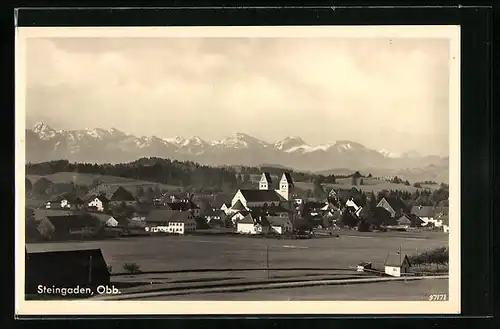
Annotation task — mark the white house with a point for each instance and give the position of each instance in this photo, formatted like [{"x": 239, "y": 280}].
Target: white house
[
  {"x": 250, "y": 225},
  {"x": 280, "y": 224},
  {"x": 236, "y": 217},
  {"x": 169, "y": 221},
  {"x": 446, "y": 223},
  {"x": 106, "y": 220},
  {"x": 425, "y": 213},
  {"x": 364, "y": 266},
  {"x": 396, "y": 264},
  {"x": 226, "y": 208},
  {"x": 99, "y": 203},
  {"x": 64, "y": 202}
]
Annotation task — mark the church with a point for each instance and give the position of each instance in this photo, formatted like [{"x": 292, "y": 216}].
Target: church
[{"x": 265, "y": 195}]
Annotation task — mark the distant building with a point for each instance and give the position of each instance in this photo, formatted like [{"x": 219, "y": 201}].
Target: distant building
[
  {"x": 72, "y": 227},
  {"x": 404, "y": 221},
  {"x": 265, "y": 195},
  {"x": 67, "y": 201},
  {"x": 168, "y": 221},
  {"x": 100, "y": 202},
  {"x": 446, "y": 223},
  {"x": 364, "y": 266},
  {"x": 122, "y": 196},
  {"x": 394, "y": 206},
  {"x": 279, "y": 224},
  {"x": 251, "y": 225},
  {"x": 65, "y": 269},
  {"x": 396, "y": 264}
]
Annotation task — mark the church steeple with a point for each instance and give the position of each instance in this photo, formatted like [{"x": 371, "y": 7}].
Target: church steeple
[
  {"x": 286, "y": 186},
  {"x": 265, "y": 181}
]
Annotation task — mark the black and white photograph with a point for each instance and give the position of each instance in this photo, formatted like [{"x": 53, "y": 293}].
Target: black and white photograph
[{"x": 238, "y": 170}]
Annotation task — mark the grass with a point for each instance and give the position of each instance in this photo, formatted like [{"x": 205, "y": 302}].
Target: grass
[
  {"x": 88, "y": 179},
  {"x": 195, "y": 252},
  {"x": 419, "y": 290},
  {"x": 369, "y": 185}
]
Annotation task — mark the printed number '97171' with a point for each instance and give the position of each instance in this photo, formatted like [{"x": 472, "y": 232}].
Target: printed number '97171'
[{"x": 438, "y": 297}]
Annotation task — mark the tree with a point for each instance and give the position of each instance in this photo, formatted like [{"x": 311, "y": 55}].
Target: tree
[
  {"x": 139, "y": 191},
  {"x": 348, "y": 219},
  {"x": 418, "y": 185},
  {"x": 361, "y": 182},
  {"x": 369, "y": 175},
  {"x": 27, "y": 185},
  {"x": 42, "y": 185},
  {"x": 246, "y": 178},
  {"x": 132, "y": 268}
]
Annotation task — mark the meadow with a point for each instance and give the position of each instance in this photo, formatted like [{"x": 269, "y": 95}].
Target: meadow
[
  {"x": 369, "y": 185},
  {"x": 180, "y": 253},
  {"x": 89, "y": 179},
  {"x": 387, "y": 291}
]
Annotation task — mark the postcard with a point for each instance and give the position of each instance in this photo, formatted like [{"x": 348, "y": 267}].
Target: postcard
[{"x": 237, "y": 170}]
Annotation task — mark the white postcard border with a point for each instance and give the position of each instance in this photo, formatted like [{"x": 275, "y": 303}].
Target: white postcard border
[{"x": 452, "y": 306}]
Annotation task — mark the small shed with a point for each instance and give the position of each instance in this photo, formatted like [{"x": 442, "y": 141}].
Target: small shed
[
  {"x": 65, "y": 269},
  {"x": 396, "y": 264},
  {"x": 364, "y": 266}
]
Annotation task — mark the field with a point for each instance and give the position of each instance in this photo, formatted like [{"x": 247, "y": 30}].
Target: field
[
  {"x": 164, "y": 253},
  {"x": 369, "y": 185},
  {"x": 386, "y": 291},
  {"x": 88, "y": 179}
]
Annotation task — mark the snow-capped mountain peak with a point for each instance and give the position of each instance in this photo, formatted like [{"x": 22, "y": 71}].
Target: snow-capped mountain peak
[
  {"x": 44, "y": 131},
  {"x": 289, "y": 142}
]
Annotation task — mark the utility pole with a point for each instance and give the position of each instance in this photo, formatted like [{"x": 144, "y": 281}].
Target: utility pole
[
  {"x": 267, "y": 260},
  {"x": 90, "y": 270}
]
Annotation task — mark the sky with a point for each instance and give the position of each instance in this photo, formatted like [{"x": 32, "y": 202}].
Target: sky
[{"x": 385, "y": 94}]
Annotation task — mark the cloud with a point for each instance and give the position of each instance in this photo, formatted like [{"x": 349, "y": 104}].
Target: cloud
[{"x": 321, "y": 89}]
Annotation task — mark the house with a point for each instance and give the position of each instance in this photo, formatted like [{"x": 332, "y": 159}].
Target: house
[
  {"x": 364, "y": 266},
  {"x": 69, "y": 227},
  {"x": 67, "y": 201},
  {"x": 100, "y": 202},
  {"x": 394, "y": 206},
  {"x": 238, "y": 207},
  {"x": 184, "y": 205},
  {"x": 41, "y": 213},
  {"x": 215, "y": 215},
  {"x": 235, "y": 217},
  {"x": 251, "y": 225},
  {"x": 31, "y": 232},
  {"x": 106, "y": 220},
  {"x": 425, "y": 213},
  {"x": 226, "y": 207},
  {"x": 404, "y": 221},
  {"x": 280, "y": 225},
  {"x": 446, "y": 223},
  {"x": 396, "y": 264},
  {"x": 122, "y": 196},
  {"x": 182, "y": 223},
  {"x": 65, "y": 269},
  {"x": 168, "y": 221}
]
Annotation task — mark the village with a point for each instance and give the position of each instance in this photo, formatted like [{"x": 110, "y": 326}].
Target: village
[{"x": 260, "y": 211}]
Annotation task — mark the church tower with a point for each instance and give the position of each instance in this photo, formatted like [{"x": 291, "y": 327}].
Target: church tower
[
  {"x": 265, "y": 181},
  {"x": 286, "y": 187}
]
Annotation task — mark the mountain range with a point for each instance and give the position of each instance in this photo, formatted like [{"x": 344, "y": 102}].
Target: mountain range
[{"x": 44, "y": 143}]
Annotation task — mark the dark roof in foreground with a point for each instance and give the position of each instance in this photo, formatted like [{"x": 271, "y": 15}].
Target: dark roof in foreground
[
  {"x": 395, "y": 260},
  {"x": 261, "y": 196},
  {"x": 74, "y": 221}
]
